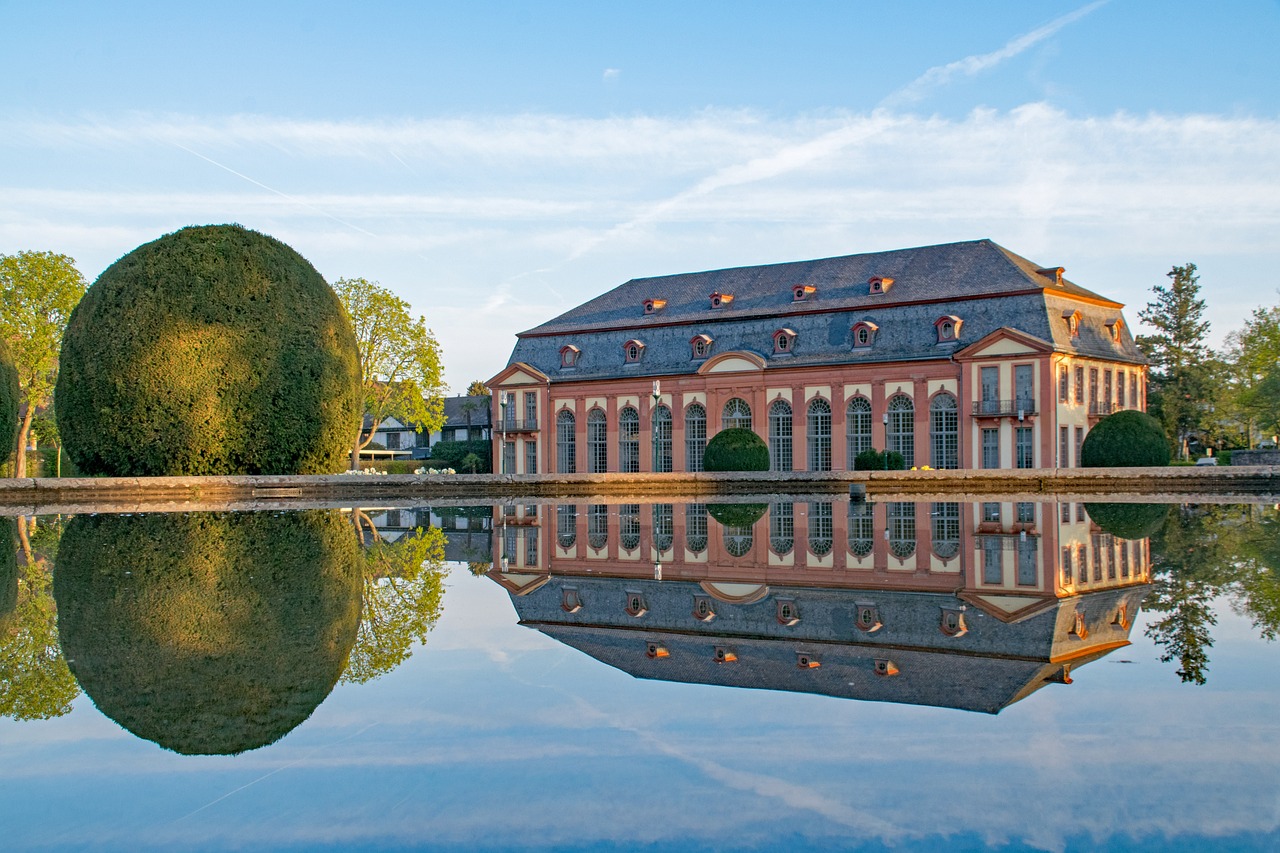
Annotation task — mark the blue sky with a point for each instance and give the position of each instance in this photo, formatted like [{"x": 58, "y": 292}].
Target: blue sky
[{"x": 498, "y": 163}]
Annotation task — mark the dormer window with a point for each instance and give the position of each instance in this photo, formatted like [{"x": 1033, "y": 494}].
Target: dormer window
[
  {"x": 653, "y": 306},
  {"x": 569, "y": 356},
  {"x": 636, "y": 605},
  {"x": 804, "y": 660},
  {"x": 864, "y": 334},
  {"x": 701, "y": 346},
  {"x": 886, "y": 668},
  {"x": 1073, "y": 322},
  {"x": 1054, "y": 273},
  {"x": 952, "y": 623},
  {"x": 724, "y": 654},
  {"x": 632, "y": 351},
  {"x": 570, "y": 602},
  {"x": 788, "y": 613},
  {"x": 721, "y": 300},
  {"x": 948, "y": 327},
  {"x": 1115, "y": 327},
  {"x": 656, "y": 650},
  {"x": 801, "y": 292},
  {"x": 868, "y": 619},
  {"x": 703, "y": 609},
  {"x": 1079, "y": 629},
  {"x": 784, "y": 341},
  {"x": 880, "y": 284}
]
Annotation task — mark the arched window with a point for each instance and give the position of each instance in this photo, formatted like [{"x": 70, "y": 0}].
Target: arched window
[
  {"x": 945, "y": 523},
  {"x": 597, "y": 442},
  {"x": 695, "y": 437},
  {"x": 566, "y": 442},
  {"x": 902, "y": 429},
  {"x": 695, "y": 527},
  {"x": 780, "y": 436},
  {"x": 737, "y": 541},
  {"x": 820, "y": 532},
  {"x": 819, "y": 435},
  {"x": 781, "y": 528},
  {"x": 661, "y": 439},
  {"x": 902, "y": 529},
  {"x": 861, "y": 529},
  {"x": 858, "y": 427},
  {"x": 598, "y": 526},
  {"x": 629, "y": 526},
  {"x": 944, "y": 432},
  {"x": 663, "y": 527},
  {"x": 566, "y": 525},
  {"x": 628, "y": 440},
  {"x": 737, "y": 414}
]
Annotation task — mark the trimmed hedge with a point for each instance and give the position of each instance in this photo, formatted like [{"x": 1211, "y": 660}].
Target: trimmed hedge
[
  {"x": 208, "y": 633},
  {"x": 1128, "y": 521},
  {"x": 8, "y": 403},
  {"x": 873, "y": 460},
  {"x": 449, "y": 454},
  {"x": 213, "y": 350},
  {"x": 736, "y": 449},
  {"x": 1127, "y": 439},
  {"x": 737, "y": 515}
]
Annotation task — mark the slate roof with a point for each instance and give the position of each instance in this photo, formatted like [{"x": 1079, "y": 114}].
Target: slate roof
[
  {"x": 455, "y": 415},
  {"x": 929, "y": 282}
]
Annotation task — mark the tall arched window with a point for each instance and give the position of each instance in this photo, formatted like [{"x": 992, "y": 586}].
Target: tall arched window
[
  {"x": 861, "y": 528},
  {"x": 566, "y": 442},
  {"x": 738, "y": 540},
  {"x": 695, "y": 437},
  {"x": 945, "y": 525},
  {"x": 944, "y": 432},
  {"x": 858, "y": 427},
  {"x": 820, "y": 528},
  {"x": 902, "y": 529},
  {"x": 663, "y": 527},
  {"x": 781, "y": 528},
  {"x": 780, "y": 436},
  {"x": 737, "y": 414},
  {"x": 628, "y": 440},
  {"x": 695, "y": 527},
  {"x": 662, "y": 439},
  {"x": 566, "y": 525},
  {"x": 902, "y": 428},
  {"x": 598, "y": 526},
  {"x": 819, "y": 434},
  {"x": 597, "y": 442}
]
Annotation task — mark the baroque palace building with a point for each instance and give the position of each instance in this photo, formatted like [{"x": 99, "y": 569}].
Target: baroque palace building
[{"x": 962, "y": 355}]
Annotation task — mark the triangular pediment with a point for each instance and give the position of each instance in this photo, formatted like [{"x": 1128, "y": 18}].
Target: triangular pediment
[
  {"x": 1004, "y": 341},
  {"x": 1008, "y": 608},
  {"x": 518, "y": 583},
  {"x": 519, "y": 373}
]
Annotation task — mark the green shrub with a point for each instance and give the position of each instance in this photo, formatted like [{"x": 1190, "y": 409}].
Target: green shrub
[
  {"x": 8, "y": 403},
  {"x": 1127, "y": 439},
  {"x": 449, "y": 454},
  {"x": 736, "y": 449},
  {"x": 1128, "y": 521},
  {"x": 213, "y": 350},
  {"x": 737, "y": 515},
  {"x": 8, "y": 574},
  {"x": 208, "y": 633},
  {"x": 873, "y": 460}
]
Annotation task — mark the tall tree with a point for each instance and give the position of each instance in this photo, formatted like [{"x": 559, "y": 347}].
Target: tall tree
[
  {"x": 399, "y": 360},
  {"x": 38, "y": 290},
  {"x": 1178, "y": 353},
  {"x": 477, "y": 389},
  {"x": 1254, "y": 360}
]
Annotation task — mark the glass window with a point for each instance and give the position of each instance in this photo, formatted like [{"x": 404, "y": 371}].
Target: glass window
[
  {"x": 819, "y": 435},
  {"x": 1064, "y": 384},
  {"x": 737, "y": 414},
  {"x": 695, "y": 527},
  {"x": 508, "y": 457},
  {"x": 990, "y": 390},
  {"x": 530, "y": 410},
  {"x": 598, "y": 526},
  {"x": 992, "y": 560},
  {"x": 531, "y": 457},
  {"x": 737, "y": 541},
  {"x": 1120, "y": 390},
  {"x": 695, "y": 437},
  {"x": 662, "y": 439},
  {"x": 1093, "y": 389},
  {"x": 597, "y": 443},
  {"x": 628, "y": 440},
  {"x": 944, "y": 432},
  {"x": 1079, "y": 444},
  {"x": 531, "y": 546},
  {"x": 945, "y": 519},
  {"x": 1024, "y": 443},
  {"x": 991, "y": 513},
  {"x": 861, "y": 529},
  {"x": 781, "y": 528},
  {"x": 1064, "y": 447},
  {"x": 1068, "y": 570},
  {"x": 780, "y": 436},
  {"x": 1026, "y": 512},
  {"x": 820, "y": 528},
  {"x": 858, "y": 428},
  {"x": 1028, "y": 558},
  {"x": 991, "y": 448},
  {"x": 1106, "y": 387},
  {"x": 663, "y": 527},
  {"x": 1133, "y": 391},
  {"x": 902, "y": 529},
  {"x": 1079, "y": 385},
  {"x": 629, "y": 526},
  {"x": 566, "y": 442},
  {"x": 902, "y": 430},
  {"x": 1024, "y": 391},
  {"x": 566, "y": 525}
]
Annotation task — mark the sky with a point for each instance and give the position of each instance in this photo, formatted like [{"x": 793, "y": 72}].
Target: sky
[{"x": 497, "y": 164}]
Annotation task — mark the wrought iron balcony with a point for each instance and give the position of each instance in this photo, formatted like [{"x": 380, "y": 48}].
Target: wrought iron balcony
[
  {"x": 1004, "y": 408},
  {"x": 517, "y": 425},
  {"x": 1101, "y": 410}
]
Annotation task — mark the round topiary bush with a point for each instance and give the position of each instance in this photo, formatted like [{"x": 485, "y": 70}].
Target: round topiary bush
[
  {"x": 1128, "y": 521},
  {"x": 737, "y": 515},
  {"x": 213, "y": 350},
  {"x": 8, "y": 403},
  {"x": 1127, "y": 439},
  {"x": 208, "y": 633},
  {"x": 736, "y": 449}
]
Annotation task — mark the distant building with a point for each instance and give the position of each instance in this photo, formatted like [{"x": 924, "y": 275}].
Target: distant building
[
  {"x": 466, "y": 418},
  {"x": 962, "y": 355}
]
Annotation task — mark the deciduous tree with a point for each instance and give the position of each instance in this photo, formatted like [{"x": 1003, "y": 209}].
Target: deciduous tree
[
  {"x": 1254, "y": 359},
  {"x": 399, "y": 360},
  {"x": 38, "y": 291}
]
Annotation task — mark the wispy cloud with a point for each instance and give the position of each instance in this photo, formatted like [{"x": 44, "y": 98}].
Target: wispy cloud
[{"x": 940, "y": 75}]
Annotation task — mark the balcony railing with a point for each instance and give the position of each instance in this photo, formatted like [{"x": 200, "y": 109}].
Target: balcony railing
[
  {"x": 518, "y": 425},
  {"x": 1101, "y": 410},
  {"x": 1004, "y": 408}
]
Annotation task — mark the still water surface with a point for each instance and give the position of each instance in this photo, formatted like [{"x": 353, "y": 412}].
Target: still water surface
[{"x": 805, "y": 673}]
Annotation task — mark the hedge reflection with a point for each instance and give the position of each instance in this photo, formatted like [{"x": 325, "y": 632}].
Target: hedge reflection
[{"x": 210, "y": 633}]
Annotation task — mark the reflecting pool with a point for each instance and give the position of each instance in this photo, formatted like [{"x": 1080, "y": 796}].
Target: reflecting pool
[{"x": 807, "y": 672}]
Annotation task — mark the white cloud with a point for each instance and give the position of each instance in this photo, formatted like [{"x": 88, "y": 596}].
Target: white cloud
[{"x": 611, "y": 74}]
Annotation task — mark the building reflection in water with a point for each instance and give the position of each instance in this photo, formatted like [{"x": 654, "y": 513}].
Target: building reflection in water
[{"x": 970, "y": 606}]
